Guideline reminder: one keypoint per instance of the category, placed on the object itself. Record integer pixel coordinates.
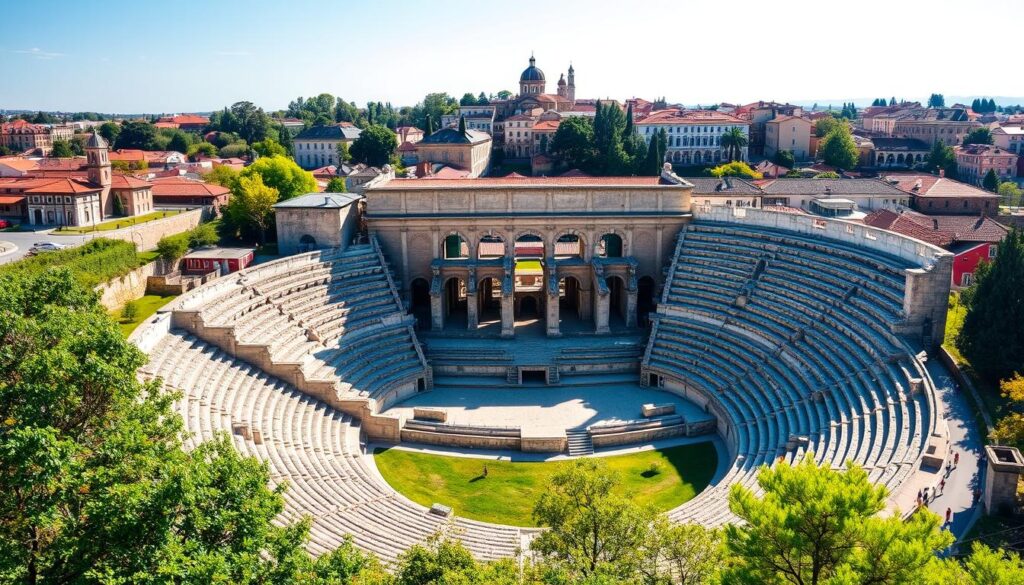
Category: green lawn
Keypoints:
(509, 491)
(146, 306)
(118, 223)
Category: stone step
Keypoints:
(579, 443)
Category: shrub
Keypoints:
(130, 311)
(171, 248)
(204, 234)
(91, 263)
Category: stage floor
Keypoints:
(542, 407)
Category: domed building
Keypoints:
(532, 80)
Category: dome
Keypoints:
(561, 81)
(531, 73)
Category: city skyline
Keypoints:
(102, 56)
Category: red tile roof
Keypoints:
(126, 154)
(119, 181)
(941, 230)
(678, 116)
(934, 186)
(546, 126)
(65, 187)
(11, 199)
(185, 187)
(19, 163)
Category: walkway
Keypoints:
(7, 248)
(966, 440)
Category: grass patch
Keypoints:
(662, 478)
(114, 224)
(146, 306)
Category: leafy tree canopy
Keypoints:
(375, 146)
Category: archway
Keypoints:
(455, 303)
(609, 246)
(489, 302)
(616, 300)
(455, 247)
(420, 305)
(490, 247)
(528, 308)
(568, 246)
(307, 243)
(39, 217)
(571, 305)
(645, 303)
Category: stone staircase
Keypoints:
(579, 442)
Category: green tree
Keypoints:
(683, 554)
(573, 143)
(978, 136)
(343, 152)
(375, 146)
(504, 94)
(824, 125)
(269, 147)
(591, 531)
(281, 174)
(1010, 194)
(936, 100)
(941, 157)
(251, 208)
(222, 175)
(336, 185)
(204, 234)
(992, 336)
(784, 158)
(109, 131)
(1009, 429)
(286, 140)
(172, 248)
(468, 99)
(734, 141)
(838, 149)
(200, 149)
(815, 525)
(827, 175)
(139, 135)
(736, 169)
(180, 142)
(61, 149)
(990, 181)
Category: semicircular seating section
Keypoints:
(788, 339)
(329, 312)
(313, 447)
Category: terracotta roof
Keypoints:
(450, 173)
(11, 199)
(61, 164)
(934, 186)
(190, 119)
(678, 116)
(783, 118)
(546, 126)
(119, 181)
(65, 187)
(985, 149)
(185, 187)
(941, 230)
(18, 163)
(126, 154)
(407, 147)
(485, 182)
(574, 173)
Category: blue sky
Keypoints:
(143, 56)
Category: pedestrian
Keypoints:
(926, 495)
(949, 467)
(956, 458)
(949, 514)
(920, 494)
(485, 470)
(942, 485)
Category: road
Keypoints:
(24, 241)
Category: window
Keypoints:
(992, 250)
(966, 279)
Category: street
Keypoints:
(24, 241)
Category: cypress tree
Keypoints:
(462, 125)
(652, 163)
(430, 126)
(991, 181)
(629, 121)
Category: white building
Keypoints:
(694, 136)
(317, 146)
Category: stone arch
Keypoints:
(531, 235)
(448, 250)
(419, 300)
(617, 302)
(454, 301)
(568, 234)
(610, 247)
(307, 243)
(487, 245)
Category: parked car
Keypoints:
(4, 224)
(47, 246)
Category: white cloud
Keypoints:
(39, 53)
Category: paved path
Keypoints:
(24, 241)
(966, 440)
(7, 248)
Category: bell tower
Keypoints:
(98, 160)
(571, 88)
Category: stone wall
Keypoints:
(146, 236)
(331, 227)
(116, 292)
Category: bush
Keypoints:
(236, 149)
(94, 262)
(130, 311)
(171, 248)
(204, 234)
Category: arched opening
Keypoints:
(455, 300)
(307, 243)
(529, 246)
(645, 303)
(616, 301)
(490, 247)
(455, 247)
(489, 299)
(420, 305)
(39, 217)
(609, 246)
(899, 159)
(572, 310)
(528, 308)
(568, 246)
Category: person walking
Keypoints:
(485, 470)
(956, 458)
(942, 485)
(949, 514)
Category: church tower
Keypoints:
(98, 168)
(562, 92)
(571, 89)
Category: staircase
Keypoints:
(553, 375)
(579, 442)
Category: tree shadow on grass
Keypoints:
(478, 478)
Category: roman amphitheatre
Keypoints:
(527, 319)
